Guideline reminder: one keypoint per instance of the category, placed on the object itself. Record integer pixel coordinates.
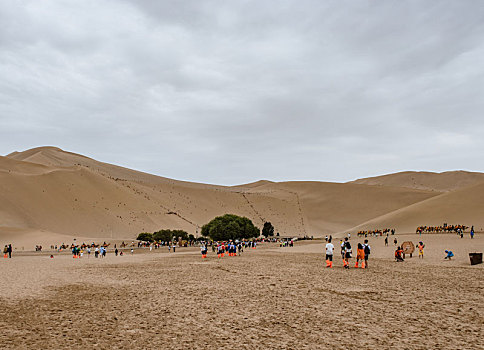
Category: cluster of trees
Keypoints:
(230, 226)
(222, 228)
(268, 230)
(165, 236)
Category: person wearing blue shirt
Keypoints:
(449, 254)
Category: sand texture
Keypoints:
(268, 298)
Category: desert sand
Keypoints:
(268, 298)
(49, 196)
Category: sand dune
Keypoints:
(423, 180)
(464, 206)
(63, 194)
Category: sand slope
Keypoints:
(52, 191)
(464, 206)
(440, 182)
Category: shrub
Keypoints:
(268, 230)
(230, 226)
(145, 236)
(168, 235)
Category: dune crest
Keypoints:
(47, 189)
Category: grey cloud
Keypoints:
(234, 91)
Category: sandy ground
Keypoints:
(268, 298)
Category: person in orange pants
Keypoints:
(329, 254)
(360, 255)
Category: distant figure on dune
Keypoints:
(395, 241)
(386, 241)
(472, 232)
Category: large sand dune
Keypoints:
(47, 192)
(424, 180)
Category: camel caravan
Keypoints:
(443, 228)
(376, 233)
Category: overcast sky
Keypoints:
(230, 92)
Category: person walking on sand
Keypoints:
(10, 249)
(360, 255)
(329, 254)
(420, 247)
(395, 241)
(348, 251)
(472, 232)
(367, 251)
(386, 241)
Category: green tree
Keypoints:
(268, 230)
(167, 235)
(230, 226)
(145, 236)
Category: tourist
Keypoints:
(367, 251)
(348, 251)
(472, 232)
(360, 255)
(420, 247)
(395, 241)
(449, 255)
(386, 241)
(329, 254)
(399, 254)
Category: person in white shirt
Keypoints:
(329, 254)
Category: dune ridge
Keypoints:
(51, 191)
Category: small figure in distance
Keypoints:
(420, 247)
(449, 255)
(399, 254)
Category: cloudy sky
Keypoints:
(229, 92)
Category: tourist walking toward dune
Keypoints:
(329, 254)
(9, 251)
(360, 255)
(348, 251)
(367, 251)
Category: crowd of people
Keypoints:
(362, 253)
